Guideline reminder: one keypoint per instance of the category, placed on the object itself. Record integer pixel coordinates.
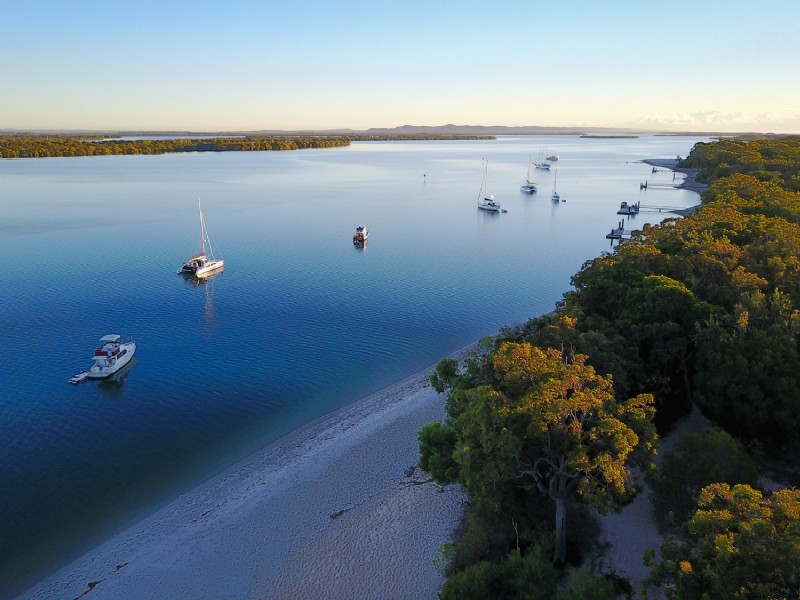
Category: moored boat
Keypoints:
(529, 187)
(110, 356)
(200, 265)
(628, 209)
(360, 235)
(486, 200)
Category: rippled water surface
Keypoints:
(299, 324)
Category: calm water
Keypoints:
(300, 322)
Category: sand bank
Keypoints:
(334, 510)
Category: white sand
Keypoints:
(330, 511)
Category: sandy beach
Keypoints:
(333, 510)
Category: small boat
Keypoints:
(200, 265)
(111, 356)
(486, 200)
(553, 158)
(78, 377)
(529, 187)
(360, 235)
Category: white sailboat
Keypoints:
(486, 200)
(542, 164)
(556, 196)
(200, 265)
(529, 187)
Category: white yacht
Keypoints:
(111, 356)
(360, 235)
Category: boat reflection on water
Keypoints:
(207, 283)
(112, 385)
(361, 246)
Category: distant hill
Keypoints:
(451, 129)
(443, 130)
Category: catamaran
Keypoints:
(200, 265)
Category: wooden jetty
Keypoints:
(619, 232)
(659, 208)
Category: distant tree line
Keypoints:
(768, 160)
(49, 146)
(42, 146)
(554, 414)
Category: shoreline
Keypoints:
(689, 182)
(315, 514)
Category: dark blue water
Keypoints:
(300, 322)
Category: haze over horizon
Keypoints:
(248, 66)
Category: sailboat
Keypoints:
(556, 195)
(486, 200)
(542, 164)
(529, 187)
(200, 265)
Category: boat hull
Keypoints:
(211, 267)
(97, 371)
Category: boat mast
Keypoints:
(483, 192)
(202, 228)
(204, 239)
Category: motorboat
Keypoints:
(204, 263)
(553, 158)
(628, 209)
(110, 356)
(486, 200)
(360, 235)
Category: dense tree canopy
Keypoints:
(697, 460)
(50, 146)
(741, 545)
(40, 146)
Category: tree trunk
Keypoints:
(560, 555)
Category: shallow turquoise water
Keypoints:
(300, 322)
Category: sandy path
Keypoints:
(330, 511)
(632, 531)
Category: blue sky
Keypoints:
(244, 65)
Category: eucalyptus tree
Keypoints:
(547, 424)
